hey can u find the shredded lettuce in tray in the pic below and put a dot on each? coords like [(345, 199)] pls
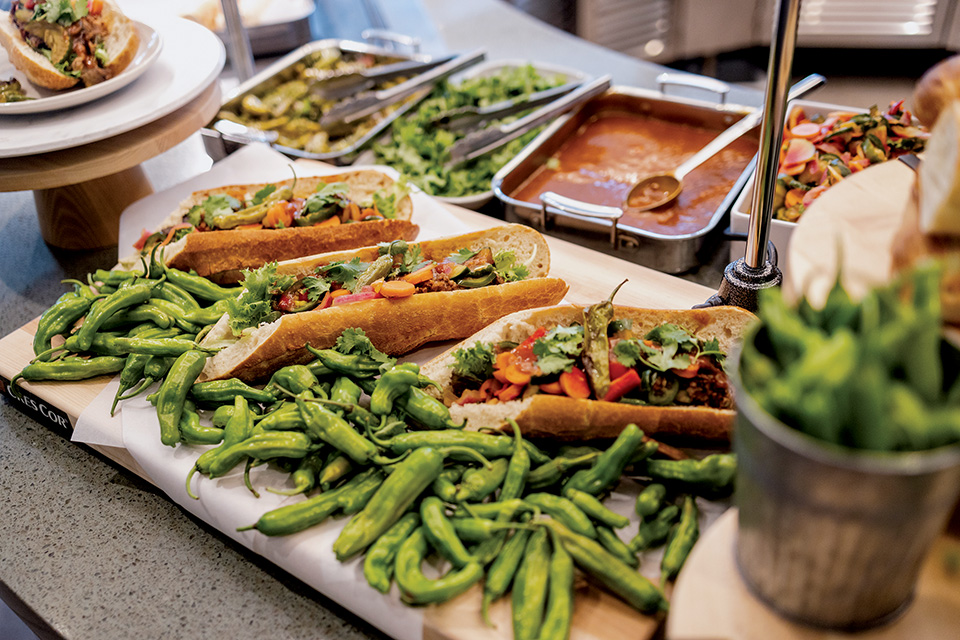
[(418, 150)]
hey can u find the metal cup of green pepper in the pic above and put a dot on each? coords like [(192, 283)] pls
[(847, 440)]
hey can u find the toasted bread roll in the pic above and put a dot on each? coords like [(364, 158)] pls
[(111, 30), (395, 326), (564, 418), (221, 254), (936, 89)]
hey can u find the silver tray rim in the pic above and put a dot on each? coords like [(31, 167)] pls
[(536, 143)]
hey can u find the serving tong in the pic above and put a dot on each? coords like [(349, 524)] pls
[(368, 102), (470, 117), (347, 83), (475, 144)]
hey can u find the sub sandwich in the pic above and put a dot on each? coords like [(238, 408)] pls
[(403, 295), (575, 373), (217, 232), (60, 43)]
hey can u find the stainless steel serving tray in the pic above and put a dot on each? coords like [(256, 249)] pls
[(668, 253), (219, 146)]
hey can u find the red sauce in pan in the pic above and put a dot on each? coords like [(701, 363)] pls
[(609, 153)]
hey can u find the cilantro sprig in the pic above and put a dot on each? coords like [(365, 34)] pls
[(557, 351), (506, 266), (678, 349), (475, 363)]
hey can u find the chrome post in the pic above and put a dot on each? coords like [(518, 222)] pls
[(237, 41)]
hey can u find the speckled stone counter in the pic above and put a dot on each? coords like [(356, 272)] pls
[(87, 549)]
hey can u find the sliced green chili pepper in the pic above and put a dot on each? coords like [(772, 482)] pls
[(620, 578), (681, 542), (529, 593), (378, 562), (312, 511), (606, 471), (441, 534), (417, 588), (591, 506), (653, 532)]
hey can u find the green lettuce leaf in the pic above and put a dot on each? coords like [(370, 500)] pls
[(253, 306)]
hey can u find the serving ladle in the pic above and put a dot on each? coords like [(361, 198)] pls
[(658, 189)]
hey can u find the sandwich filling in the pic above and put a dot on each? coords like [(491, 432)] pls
[(667, 366), (273, 207), (70, 33)]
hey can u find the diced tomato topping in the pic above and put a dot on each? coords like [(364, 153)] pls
[(574, 383), (622, 385), (617, 369)]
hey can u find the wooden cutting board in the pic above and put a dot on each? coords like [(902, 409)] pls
[(591, 276)]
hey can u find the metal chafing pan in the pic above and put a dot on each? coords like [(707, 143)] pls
[(219, 146), (668, 253)]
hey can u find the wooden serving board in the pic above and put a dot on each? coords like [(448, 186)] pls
[(591, 276)]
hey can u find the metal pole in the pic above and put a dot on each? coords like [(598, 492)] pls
[(238, 41), (782, 44)]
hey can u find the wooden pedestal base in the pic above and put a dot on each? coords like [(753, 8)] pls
[(87, 215)]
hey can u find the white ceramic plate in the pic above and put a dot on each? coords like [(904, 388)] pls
[(48, 100), (190, 60)]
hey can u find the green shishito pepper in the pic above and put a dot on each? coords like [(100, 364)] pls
[(408, 480), (565, 511), (378, 562), (441, 533), (518, 467), (617, 576), (60, 317), (609, 466), (558, 617), (711, 475), (478, 483), (681, 541), (295, 378), (322, 424), (416, 588), (260, 446), (296, 517), (392, 384), (173, 392), (70, 369), (653, 532), (103, 309), (503, 569), (650, 500), (529, 593), (222, 391)]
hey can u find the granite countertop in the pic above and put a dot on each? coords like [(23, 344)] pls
[(89, 550)]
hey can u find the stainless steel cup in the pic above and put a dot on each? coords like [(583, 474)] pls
[(829, 536)]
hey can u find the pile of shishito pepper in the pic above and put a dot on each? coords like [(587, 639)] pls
[(495, 506)]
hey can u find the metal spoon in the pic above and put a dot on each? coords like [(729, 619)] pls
[(658, 189)]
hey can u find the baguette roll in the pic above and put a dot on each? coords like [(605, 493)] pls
[(395, 326), (116, 33), (221, 254), (564, 418)]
